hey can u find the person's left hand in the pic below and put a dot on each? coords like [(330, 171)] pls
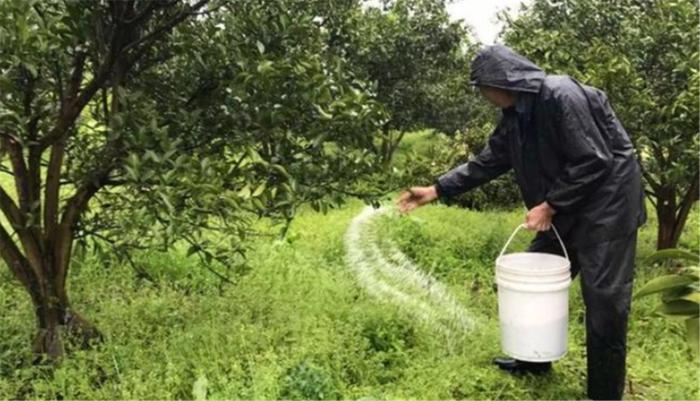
[(539, 217)]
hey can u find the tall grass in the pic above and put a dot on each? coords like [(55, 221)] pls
[(299, 325)]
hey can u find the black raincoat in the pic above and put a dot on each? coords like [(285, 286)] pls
[(567, 147)]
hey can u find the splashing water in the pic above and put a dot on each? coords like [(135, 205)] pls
[(388, 274)]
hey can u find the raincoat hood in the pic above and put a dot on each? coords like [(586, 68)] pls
[(499, 66)]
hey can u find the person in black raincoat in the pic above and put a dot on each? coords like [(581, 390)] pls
[(577, 169)]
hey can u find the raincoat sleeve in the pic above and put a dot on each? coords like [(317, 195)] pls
[(587, 158), (494, 160)]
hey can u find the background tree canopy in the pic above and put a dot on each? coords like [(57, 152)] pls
[(141, 124), (644, 54)]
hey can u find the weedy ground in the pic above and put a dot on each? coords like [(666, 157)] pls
[(299, 325)]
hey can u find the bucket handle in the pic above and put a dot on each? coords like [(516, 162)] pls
[(524, 226)]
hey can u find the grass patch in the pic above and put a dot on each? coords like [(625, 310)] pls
[(298, 326)]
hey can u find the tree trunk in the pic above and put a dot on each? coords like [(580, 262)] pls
[(59, 329), (672, 217), (665, 212), (389, 145)]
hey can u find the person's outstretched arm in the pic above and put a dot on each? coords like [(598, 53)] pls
[(493, 161)]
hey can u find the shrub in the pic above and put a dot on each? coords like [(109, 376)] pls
[(426, 156), (680, 292), (306, 381)]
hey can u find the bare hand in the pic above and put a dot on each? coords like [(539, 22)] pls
[(415, 197), (540, 217)]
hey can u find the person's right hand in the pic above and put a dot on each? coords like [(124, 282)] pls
[(415, 197)]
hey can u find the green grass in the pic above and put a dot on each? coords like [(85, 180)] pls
[(298, 326), (419, 142)]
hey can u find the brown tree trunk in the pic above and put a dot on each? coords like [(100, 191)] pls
[(389, 145), (672, 216), (50, 319), (60, 329), (665, 211)]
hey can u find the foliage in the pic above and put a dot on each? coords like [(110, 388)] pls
[(680, 292), (159, 121), (425, 155), (308, 382), (645, 55), (417, 61), (300, 303), (270, 122)]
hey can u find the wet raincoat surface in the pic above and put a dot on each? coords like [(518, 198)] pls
[(566, 147)]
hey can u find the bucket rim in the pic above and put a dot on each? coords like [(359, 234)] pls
[(533, 279), (531, 358), (530, 254), (565, 264), (527, 272)]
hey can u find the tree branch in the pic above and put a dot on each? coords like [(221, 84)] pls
[(10, 209), (656, 186), (76, 77), (158, 32), (651, 196), (19, 171), (690, 197), (148, 10), (53, 185), (117, 49), (79, 99), (16, 261)]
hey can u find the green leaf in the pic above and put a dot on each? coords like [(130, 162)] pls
[(259, 190), (322, 113), (674, 253), (680, 307), (245, 192), (265, 66), (692, 271), (664, 283), (132, 173), (31, 68), (258, 204), (167, 202), (692, 329), (676, 293), (151, 155), (261, 47), (693, 297)]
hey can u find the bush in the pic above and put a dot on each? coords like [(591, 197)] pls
[(425, 155), (298, 325), (307, 381)]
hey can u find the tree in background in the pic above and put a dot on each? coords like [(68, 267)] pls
[(416, 58), (146, 123), (644, 54), (418, 62)]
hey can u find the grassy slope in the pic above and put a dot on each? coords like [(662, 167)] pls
[(297, 326)]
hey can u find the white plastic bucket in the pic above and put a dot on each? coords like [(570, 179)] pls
[(533, 303)]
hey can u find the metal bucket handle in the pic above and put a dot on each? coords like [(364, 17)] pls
[(525, 226)]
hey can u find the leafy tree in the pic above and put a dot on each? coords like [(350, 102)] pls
[(644, 54), (416, 58), (142, 123)]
